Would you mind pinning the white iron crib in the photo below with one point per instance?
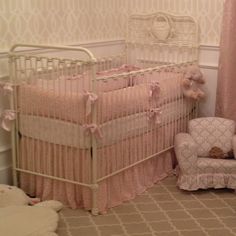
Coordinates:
(88, 129)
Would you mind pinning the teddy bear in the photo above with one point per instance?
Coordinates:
(193, 77)
(21, 215)
(218, 153)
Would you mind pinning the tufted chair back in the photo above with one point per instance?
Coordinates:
(210, 132)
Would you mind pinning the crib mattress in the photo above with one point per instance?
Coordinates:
(76, 135)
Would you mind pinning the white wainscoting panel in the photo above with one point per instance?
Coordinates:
(209, 58)
(5, 164)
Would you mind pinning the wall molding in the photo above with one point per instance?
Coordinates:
(209, 56)
(4, 168)
(209, 47)
(4, 77)
(5, 148)
(3, 54)
(209, 67)
(104, 43)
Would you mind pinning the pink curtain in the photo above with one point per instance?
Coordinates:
(226, 91)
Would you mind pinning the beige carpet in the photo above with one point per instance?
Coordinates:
(163, 210)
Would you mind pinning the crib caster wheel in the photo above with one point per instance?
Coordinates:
(95, 211)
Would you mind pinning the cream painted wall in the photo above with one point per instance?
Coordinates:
(76, 21)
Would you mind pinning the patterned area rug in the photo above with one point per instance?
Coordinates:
(163, 210)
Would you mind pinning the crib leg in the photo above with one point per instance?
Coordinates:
(94, 200)
(95, 211)
(14, 157)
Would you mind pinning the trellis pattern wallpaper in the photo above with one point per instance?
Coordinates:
(73, 21)
(59, 21)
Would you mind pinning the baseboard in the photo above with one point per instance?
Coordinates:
(209, 47)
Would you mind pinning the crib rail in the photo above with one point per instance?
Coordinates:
(13, 49)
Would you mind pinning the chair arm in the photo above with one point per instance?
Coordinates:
(186, 153)
(234, 145)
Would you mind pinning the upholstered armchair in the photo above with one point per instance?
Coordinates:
(196, 169)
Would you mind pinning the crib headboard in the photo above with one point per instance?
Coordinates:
(162, 38)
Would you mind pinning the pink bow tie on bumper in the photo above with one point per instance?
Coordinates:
(91, 99)
(155, 90)
(94, 129)
(6, 88)
(7, 118)
(154, 115)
